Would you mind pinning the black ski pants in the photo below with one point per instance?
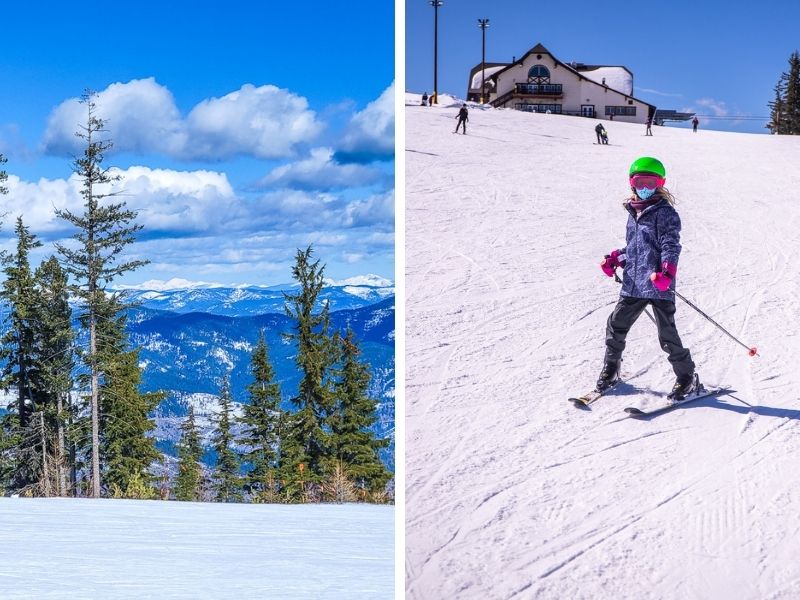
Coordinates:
(460, 123)
(624, 316)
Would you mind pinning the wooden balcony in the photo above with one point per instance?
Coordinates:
(546, 90)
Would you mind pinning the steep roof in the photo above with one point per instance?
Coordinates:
(540, 49)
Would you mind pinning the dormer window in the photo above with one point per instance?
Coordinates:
(538, 74)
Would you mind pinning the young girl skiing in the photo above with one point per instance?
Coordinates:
(650, 264)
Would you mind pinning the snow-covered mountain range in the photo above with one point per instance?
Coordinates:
(248, 300)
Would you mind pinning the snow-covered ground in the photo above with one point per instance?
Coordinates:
(510, 491)
(67, 548)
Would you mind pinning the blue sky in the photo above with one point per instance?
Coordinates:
(720, 59)
(243, 130)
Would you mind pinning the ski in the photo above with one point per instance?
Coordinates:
(585, 400)
(699, 393)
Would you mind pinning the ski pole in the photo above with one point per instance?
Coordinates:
(751, 351)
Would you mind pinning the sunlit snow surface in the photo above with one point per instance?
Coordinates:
(67, 548)
(511, 492)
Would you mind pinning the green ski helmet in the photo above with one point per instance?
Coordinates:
(647, 164)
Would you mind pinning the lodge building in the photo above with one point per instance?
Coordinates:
(539, 82)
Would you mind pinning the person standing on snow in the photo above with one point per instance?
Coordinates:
(425, 99)
(650, 263)
(463, 117)
(695, 123)
(649, 123)
(601, 133)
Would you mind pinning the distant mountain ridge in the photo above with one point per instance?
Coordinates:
(253, 300)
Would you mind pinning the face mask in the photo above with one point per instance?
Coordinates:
(645, 193)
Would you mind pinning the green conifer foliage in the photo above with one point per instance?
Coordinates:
(307, 452)
(55, 364)
(104, 230)
(228, 483)
(19, 351)
(785, 108)
(189, 481)
(125, 446)
(355, 443)
(263, 423)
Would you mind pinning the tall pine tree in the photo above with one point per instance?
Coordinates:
(227, 482)
(125, 446)
(263, 423)
(355, 443)
(307, 452)
(105, 229)
(785, 108)
(189, 481)
(56, 362)
(19, 352)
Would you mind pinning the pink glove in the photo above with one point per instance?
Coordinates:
(661, 281)
(611, 262)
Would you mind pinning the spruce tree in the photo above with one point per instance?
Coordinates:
(19, 351)
(127, 449)
(3, 175)
(355, 442)
(56, 361)
(188, 483)
(227, 479)
(262, 420)
(105, 229)
(785, 108)
(19, 342)
(307, 451)
(792, 98)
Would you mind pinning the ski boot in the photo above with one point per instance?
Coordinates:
(609, 375)
(684, 385)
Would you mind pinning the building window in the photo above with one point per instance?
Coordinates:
(538, 74)
(627, 111)
(538, 108)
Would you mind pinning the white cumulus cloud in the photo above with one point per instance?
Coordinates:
(370, 134)
(141, 116)
(320, 171)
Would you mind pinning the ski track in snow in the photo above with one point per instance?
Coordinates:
(511, 492)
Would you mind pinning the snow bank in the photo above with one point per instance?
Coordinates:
(67, 548)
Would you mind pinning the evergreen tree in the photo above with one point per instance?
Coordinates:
(127, 450)
(104, 231)
(19, 342)
(3, 175)
(263, 420)
(785, 108)
(227, 479)
(56, 361)
(792, 101)
(355, 443)
(19, 351)
(307, 451)
(188, 483)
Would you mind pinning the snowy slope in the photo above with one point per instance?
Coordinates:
(512, 492)
(67, 548)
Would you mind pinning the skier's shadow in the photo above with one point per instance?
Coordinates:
(743, 408)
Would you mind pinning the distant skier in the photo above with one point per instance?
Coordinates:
(650, 262)
(425, 99)
(463, 117)
(695, 123)
(602, 136)
(649, 123)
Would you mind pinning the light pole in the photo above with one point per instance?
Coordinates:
(435, 4)
(483, 24)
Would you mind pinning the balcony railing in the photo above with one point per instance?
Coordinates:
(539, 89)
